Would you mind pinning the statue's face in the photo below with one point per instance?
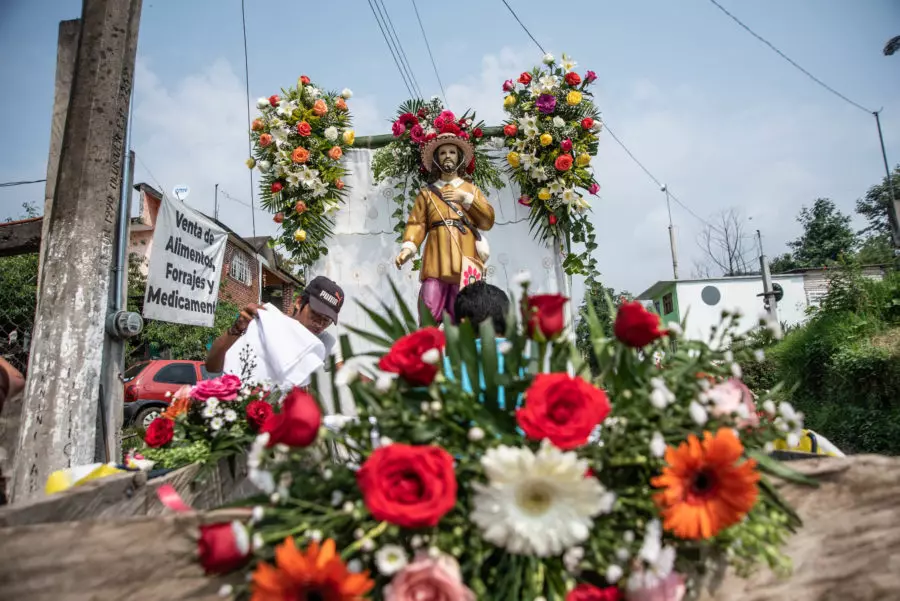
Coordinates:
(448, 157)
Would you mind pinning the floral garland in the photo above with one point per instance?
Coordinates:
(417, 123)
(551, 134)
(542, 484)
(214, 419)
(299, 140)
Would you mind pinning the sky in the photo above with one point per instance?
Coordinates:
(706, 108)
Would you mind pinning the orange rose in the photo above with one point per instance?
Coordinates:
(265, 140)
(300, 155)
(335, 153)
(339, 184)
(340, 104)
(257, 125)
(300, 207)
(320, 108)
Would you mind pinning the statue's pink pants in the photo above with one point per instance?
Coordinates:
(439, 297)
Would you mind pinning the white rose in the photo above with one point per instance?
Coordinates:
(262, 103)
(548, 59)
(347, 93)
(331, 133)
(559, 121)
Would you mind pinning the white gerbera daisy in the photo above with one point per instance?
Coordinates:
(230, 415)
(536, 504)
(390, 559)
(216, 423)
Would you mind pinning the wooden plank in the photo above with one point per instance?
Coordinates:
(20, 237)
(60, 412)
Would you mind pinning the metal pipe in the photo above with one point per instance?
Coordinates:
(122, 235)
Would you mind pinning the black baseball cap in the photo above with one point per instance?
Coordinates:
(325, 297)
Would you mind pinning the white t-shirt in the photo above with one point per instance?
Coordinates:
(278, 349)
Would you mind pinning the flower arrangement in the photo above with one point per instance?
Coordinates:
(558, 487)
(299, 139)
(214, 419)
(417, 123)
(551, 135)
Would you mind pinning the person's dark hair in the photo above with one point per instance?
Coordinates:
(481, 301)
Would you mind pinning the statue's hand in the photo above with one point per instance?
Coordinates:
(403, 257)
(453, 195)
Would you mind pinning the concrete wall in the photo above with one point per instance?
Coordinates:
(738, 293)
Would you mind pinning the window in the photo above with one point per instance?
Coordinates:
(240, 267)
(177, 373)
(205, 375)
(656, 307)
(132, 372)
(668, 304)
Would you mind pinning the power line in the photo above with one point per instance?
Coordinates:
(393, 54)
(399, 46)
(428, 46)
(21, 183)
(523, 26)
(249, 139)
(162, 188)
(788, 59)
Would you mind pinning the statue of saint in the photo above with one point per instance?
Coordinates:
(447, 216)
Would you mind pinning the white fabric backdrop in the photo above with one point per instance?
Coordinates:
(362, 251)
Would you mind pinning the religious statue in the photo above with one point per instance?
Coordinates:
(447, 216)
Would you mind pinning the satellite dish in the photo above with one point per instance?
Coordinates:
(181, 192)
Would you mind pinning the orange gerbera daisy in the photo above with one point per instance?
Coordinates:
(316, 574)
(705, 489)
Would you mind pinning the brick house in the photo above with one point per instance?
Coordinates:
(251, 271)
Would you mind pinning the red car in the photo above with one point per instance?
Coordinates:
(147, 383)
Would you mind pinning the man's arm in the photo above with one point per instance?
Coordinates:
(215, 360)
(13, 382)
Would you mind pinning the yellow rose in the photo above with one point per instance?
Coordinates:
(300, 235)
(251, 163)
(546, 139)
(509, 101)
(544, 194)
(573, 98)
(349, 137)
(513, 159)
(583, 160)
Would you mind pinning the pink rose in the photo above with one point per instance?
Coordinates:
(566, 145)
(398, 129)
(417, 134)
(224, 388)
(448, 116)
(594, 188)
(670, 588)
(733, 396)
(432, 579)
(439, 123)
(508, 85)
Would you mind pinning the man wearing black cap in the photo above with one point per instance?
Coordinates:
(316, 309)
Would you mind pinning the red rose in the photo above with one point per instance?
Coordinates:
(563, 162)
(429, 138)
(525, 78)
(546, 314)
(304, 128)
(223, 547)
(279, 217)
(422, 113)
(276, 187)
(563, 409)
(405, 357)
(587, 123)
(566, 145)
(273, 99)
(257, 414)
(408, 119)
(410, 486)
(297, 425)
(477, 132)
(304, 80)
(451, 128)
(636, 326)
(159, 432)
(589, 592)
(510, 130)
(573, 79)
(470, 168)
(551, 219)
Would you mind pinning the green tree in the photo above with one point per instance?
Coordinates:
(783, 263)
(877, 245)
(597, 295)
(827, 235)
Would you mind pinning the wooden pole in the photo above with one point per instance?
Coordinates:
(62, 392)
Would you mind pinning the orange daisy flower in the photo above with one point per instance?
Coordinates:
(316, 574)
(705, 489)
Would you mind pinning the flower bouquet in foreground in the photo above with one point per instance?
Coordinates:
(298, 140)
(551, 134)
(539, 484)
(207, 422)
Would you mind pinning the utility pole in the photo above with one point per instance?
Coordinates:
(671, 234)
(894, 206)
(216, 210)
(769, 302)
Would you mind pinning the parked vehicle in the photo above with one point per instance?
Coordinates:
(147, 383)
